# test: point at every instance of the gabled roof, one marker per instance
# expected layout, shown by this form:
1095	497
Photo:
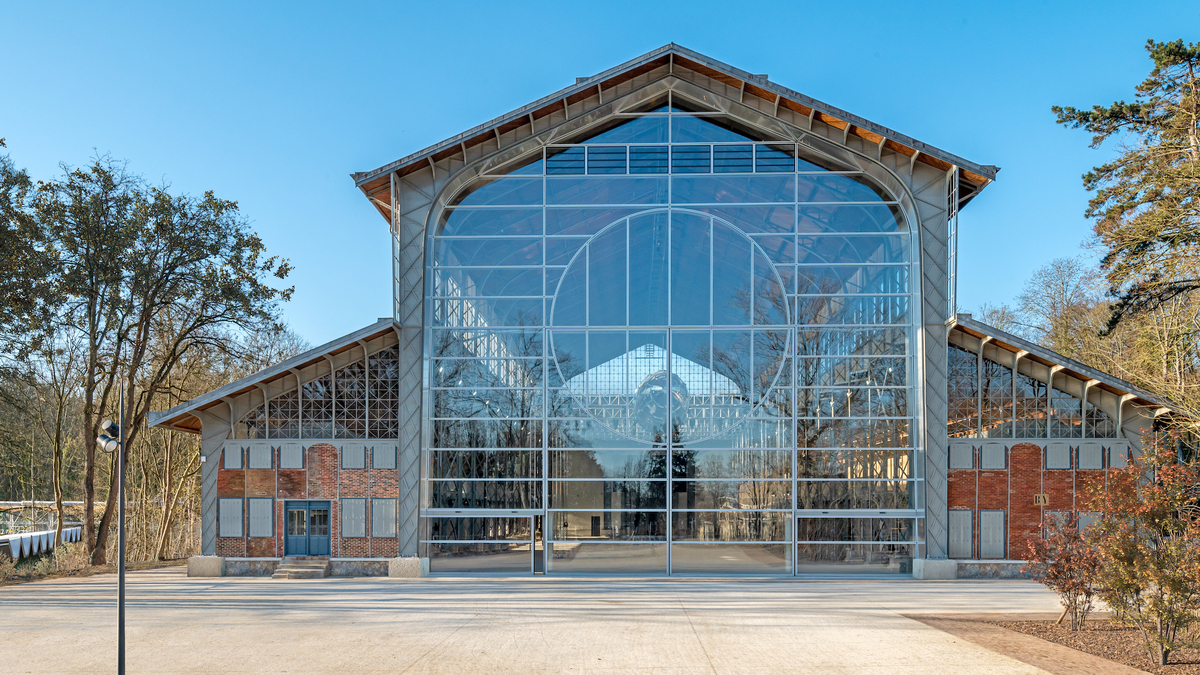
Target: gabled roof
180	417
976	175
1012	343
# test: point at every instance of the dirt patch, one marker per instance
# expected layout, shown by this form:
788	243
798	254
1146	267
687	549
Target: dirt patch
1109	640
985	631
89	571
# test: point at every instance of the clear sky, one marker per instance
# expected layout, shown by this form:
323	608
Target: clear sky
275	104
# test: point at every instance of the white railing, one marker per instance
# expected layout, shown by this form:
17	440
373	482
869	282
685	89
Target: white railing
23	545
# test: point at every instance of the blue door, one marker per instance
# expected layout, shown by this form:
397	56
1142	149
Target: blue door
307	528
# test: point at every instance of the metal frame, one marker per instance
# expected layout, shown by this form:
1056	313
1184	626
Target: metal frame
450	185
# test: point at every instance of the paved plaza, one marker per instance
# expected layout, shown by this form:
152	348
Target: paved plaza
486	625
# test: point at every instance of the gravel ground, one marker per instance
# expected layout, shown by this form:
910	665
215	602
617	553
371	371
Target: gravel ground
1108	640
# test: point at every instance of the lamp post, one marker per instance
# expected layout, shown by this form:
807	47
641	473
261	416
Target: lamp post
112	439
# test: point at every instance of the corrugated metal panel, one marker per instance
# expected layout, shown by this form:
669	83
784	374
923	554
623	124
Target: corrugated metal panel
230	517
383	517
1058	456
962	455
383	456
961	541
260	455
991	535
354	517
233	455
992	456
1118	454
1091	456
291	456
262	517
354	456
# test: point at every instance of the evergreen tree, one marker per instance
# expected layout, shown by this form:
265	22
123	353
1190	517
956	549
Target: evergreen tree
1147	200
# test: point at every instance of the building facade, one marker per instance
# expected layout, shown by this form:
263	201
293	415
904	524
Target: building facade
674	319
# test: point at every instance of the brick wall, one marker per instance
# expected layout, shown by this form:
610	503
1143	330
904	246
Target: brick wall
321	479
1014	490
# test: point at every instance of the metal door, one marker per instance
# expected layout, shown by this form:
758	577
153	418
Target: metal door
318	528
296	537
307	530
991	535
962	542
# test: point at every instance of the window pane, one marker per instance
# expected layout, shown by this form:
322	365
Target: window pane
856	529
487	434
485	494
614	526
485	463
857	494
608	464
614	190
854	559
731	525
482	252
731	559
479	528
831	187
608	559
828	249
606	495
821	218
501	192
887	463
731	189
506	558
744	494
480	222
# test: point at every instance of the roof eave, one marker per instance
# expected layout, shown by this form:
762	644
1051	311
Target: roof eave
181	412
986	172
1051	356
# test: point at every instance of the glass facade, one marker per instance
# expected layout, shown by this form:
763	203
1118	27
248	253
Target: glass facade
674	346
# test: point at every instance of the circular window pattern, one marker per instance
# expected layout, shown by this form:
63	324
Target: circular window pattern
669	326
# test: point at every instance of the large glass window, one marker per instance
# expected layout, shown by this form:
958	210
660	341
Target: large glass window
669	339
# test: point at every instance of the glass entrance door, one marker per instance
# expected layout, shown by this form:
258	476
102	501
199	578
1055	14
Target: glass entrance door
307	529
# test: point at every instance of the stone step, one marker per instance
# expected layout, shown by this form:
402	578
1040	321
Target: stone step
306	567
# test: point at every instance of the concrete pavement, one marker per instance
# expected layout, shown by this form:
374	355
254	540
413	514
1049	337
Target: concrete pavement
490	625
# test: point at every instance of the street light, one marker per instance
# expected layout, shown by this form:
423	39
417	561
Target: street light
112	439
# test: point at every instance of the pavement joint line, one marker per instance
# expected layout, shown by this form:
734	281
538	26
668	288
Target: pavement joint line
707	656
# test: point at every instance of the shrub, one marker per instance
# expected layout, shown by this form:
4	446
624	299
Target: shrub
1148	545
1066	563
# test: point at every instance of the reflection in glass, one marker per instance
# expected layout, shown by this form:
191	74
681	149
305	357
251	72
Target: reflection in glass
475	528
610	526
608	464
731	559
855	494
855	529
609	559
723	311
854	558
484	494
889	463
480	558
628	494
731	526
743	494
485	463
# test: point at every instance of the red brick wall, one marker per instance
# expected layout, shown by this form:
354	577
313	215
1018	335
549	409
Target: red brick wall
322	478
1013	491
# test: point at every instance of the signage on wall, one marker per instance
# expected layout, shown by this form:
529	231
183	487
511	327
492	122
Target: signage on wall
1041	499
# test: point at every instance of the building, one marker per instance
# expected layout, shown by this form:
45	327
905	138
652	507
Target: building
673	319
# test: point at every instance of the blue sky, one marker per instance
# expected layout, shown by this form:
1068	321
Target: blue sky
275	104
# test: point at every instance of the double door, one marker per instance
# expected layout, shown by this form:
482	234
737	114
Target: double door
307	528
